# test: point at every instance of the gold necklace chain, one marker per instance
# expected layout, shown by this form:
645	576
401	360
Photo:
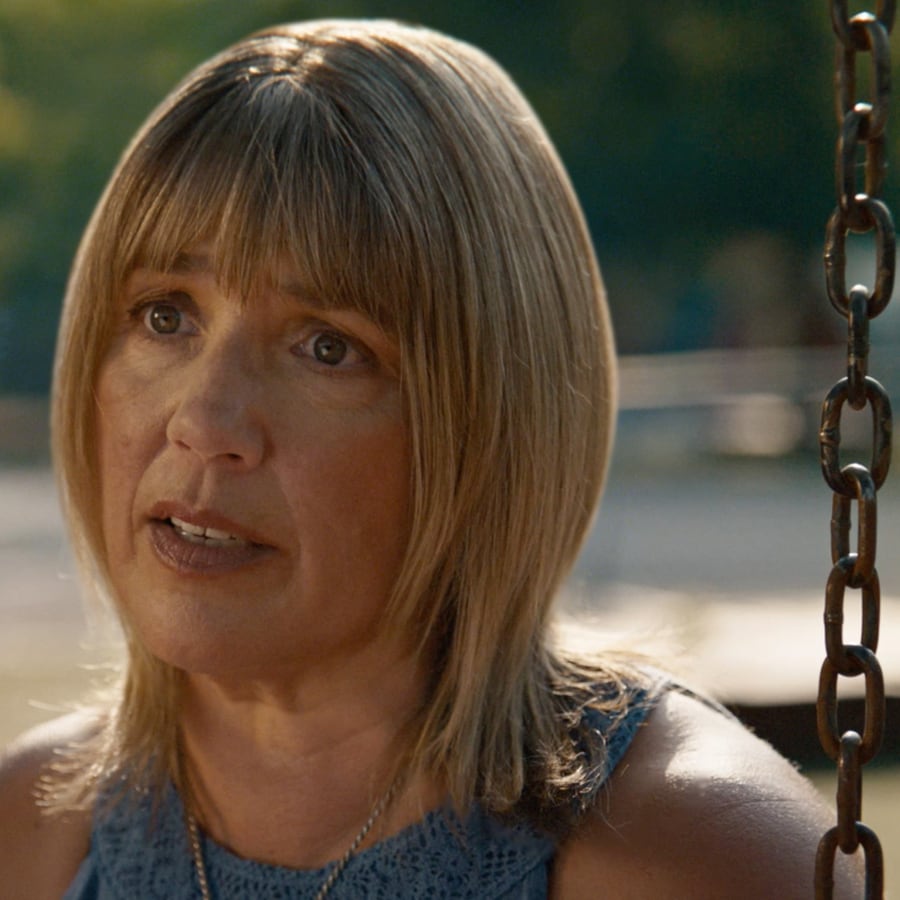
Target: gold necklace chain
193	830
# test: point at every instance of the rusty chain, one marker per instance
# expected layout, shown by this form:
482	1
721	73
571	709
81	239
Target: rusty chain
860	210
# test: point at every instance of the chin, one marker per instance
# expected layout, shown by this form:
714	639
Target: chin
183	641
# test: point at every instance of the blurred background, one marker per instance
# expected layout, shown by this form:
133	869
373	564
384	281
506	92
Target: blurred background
700	137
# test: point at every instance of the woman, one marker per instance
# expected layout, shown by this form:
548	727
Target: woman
332	411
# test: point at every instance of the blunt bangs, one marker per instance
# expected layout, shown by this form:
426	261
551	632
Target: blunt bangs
262	169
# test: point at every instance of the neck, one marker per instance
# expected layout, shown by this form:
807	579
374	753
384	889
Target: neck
286	771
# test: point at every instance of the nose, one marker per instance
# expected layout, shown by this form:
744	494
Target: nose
217	413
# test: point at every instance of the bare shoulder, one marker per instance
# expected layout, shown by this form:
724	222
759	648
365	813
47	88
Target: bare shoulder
39	853
699	808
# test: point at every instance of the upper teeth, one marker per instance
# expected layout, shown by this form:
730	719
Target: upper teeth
199	531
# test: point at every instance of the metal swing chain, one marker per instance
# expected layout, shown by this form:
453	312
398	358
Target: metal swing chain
860	210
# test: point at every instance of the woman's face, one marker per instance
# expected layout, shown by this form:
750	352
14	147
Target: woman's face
254	469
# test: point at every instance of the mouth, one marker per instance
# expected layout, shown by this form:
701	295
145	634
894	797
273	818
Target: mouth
203	543
204	535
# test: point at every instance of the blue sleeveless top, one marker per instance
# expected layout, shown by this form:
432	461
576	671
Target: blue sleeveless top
139	854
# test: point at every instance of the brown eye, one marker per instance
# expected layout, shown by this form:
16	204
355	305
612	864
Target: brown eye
163	318
329	349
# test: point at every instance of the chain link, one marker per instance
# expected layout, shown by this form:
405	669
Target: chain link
830	434
861	130
841	21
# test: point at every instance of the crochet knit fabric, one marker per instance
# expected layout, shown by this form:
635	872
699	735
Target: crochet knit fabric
138	853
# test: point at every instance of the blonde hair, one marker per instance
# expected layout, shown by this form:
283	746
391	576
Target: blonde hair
402	173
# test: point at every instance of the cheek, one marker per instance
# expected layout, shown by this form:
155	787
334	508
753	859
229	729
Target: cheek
114	483
354	495
124	444
130	406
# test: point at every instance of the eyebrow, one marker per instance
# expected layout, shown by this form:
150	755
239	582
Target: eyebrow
297	291
192	263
